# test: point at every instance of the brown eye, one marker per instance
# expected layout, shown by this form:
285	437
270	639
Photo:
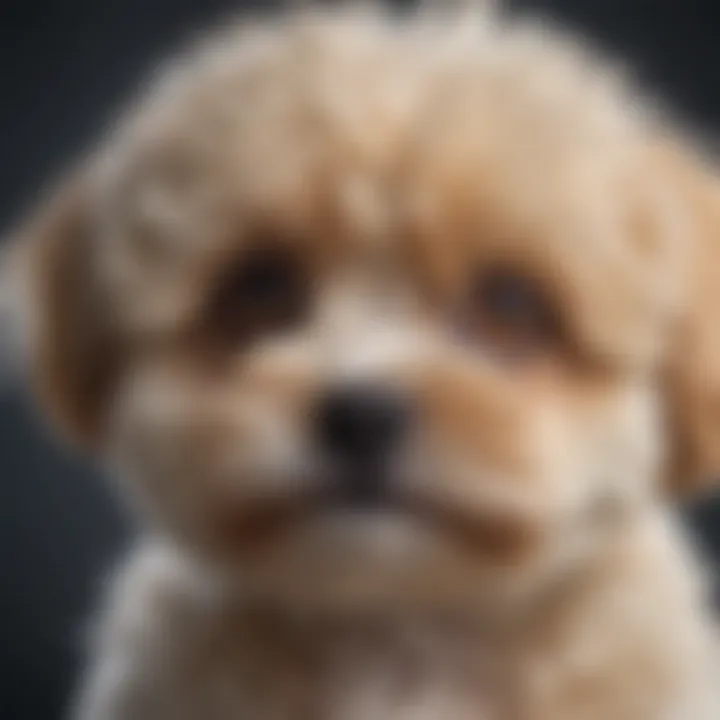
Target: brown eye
266	292
511	315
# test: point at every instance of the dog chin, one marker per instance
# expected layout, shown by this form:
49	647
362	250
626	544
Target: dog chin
366	561
344	556
383	536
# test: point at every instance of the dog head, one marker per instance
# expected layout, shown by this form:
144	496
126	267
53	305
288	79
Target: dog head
376	310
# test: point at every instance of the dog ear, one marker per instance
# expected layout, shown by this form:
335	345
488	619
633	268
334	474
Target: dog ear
73	351
693	371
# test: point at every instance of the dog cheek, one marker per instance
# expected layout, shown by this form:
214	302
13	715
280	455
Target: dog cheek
499	458
512	433
467	410
161	446
194	446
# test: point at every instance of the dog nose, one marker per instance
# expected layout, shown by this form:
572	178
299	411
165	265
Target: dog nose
361	426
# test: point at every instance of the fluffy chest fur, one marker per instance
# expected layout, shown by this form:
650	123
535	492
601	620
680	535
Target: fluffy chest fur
361	671
195	658
626	644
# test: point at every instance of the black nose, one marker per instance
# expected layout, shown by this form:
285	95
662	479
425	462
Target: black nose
361	426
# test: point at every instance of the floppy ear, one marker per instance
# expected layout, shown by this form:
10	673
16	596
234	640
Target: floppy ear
73	352
694	369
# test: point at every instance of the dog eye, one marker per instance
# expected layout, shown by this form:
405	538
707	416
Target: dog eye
266	292
511	315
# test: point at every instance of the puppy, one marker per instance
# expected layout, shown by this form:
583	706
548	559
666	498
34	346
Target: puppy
403	336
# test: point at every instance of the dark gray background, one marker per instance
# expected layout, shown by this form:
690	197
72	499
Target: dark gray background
66	66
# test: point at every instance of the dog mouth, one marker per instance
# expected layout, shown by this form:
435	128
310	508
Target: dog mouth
275	515
500	534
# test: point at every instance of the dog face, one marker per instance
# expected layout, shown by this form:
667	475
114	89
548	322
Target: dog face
380	313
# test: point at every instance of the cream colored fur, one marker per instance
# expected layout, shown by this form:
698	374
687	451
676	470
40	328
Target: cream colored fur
543	577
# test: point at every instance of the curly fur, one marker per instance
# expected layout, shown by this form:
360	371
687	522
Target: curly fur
537	572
